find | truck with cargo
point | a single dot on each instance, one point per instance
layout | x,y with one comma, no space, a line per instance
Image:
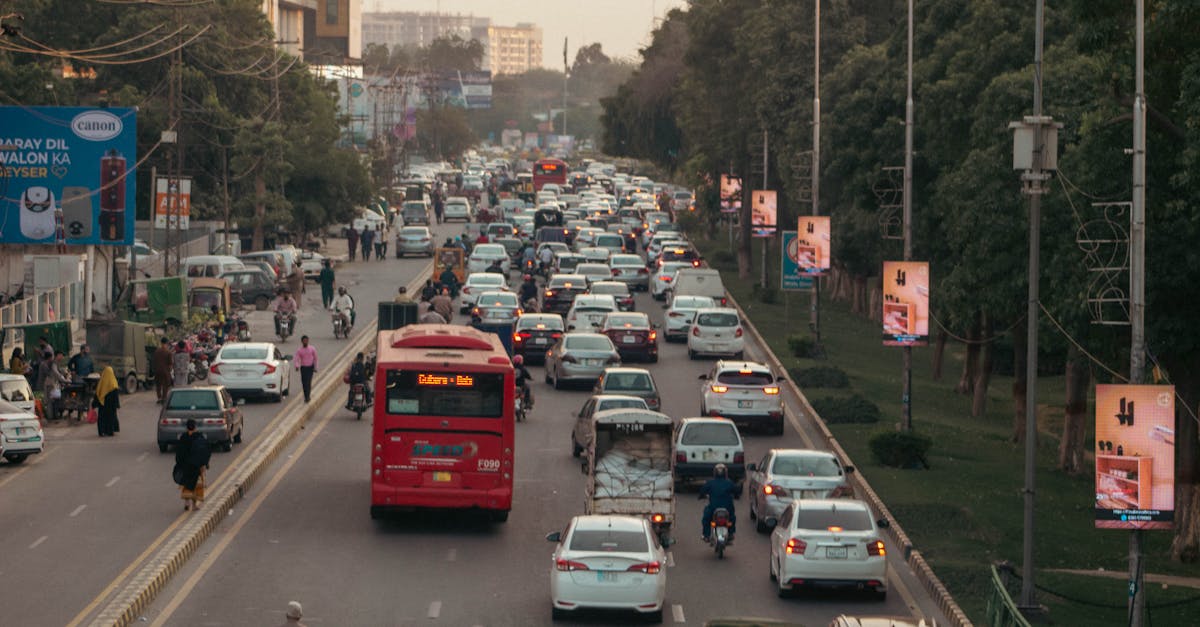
629,466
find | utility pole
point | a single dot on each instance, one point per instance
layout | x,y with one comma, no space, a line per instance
766,240
906,377
815,318
566,69
1137,286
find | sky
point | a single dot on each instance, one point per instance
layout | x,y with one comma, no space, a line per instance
621,26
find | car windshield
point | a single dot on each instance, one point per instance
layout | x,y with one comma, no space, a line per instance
414,206
692,302
588,343
16,390
553,323
738,377
576,282
717,320
417,231
500,299
485,279
613,288
627,381
193,399
805,466
626,260
609,240
243,352
628,320
488,250
622,403
847,519
710,433
609,541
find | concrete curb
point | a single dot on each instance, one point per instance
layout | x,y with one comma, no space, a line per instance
144,585
862,489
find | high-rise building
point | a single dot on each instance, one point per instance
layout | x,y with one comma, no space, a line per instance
409,28
513,49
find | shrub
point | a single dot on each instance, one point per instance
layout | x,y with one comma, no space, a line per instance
820,377
850,410
900,450
801,346
721,258
769,296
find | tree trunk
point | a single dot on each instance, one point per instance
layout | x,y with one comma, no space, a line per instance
1070,447
1019,391
983,374
1185,374
875,302
966,382
939,353
260,210
858,290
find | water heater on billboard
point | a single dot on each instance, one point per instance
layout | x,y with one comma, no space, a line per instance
112,197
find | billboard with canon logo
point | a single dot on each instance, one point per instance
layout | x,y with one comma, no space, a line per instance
67,175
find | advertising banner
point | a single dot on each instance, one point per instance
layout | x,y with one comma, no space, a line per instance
731,193
470,90
813,246
172,202
905,303
1135,456
792,275
763,211
68,175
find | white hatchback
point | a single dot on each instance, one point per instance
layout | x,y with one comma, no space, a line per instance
608,562
252,369
831,543
744,392
483,255
588,311
716,331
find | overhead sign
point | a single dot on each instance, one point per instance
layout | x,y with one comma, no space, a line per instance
763,211
67,175
813,245
731,193
792,275
905,303
172,202
1135,456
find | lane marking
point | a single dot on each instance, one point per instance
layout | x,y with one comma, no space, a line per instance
38,542
142,457
76,511
677,613
452,555
25,468
112,482
435,609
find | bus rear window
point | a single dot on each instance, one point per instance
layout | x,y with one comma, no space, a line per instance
467,395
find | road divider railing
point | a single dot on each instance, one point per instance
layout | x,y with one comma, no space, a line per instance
144,585
862,488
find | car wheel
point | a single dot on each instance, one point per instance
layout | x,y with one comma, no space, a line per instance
880,595
557,383
498,517
655,617
227,445
691,354
557,614
760,525
278,398
237,439
654,358
546,376
261,303
771,568
131,383
740,355
162,448
16,458
576,450
777,428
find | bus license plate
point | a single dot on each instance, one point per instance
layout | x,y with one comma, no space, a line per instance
606,576
441,477
835,552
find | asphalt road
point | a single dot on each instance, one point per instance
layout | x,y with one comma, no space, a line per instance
79,516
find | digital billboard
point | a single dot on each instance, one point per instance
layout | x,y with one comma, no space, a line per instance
763,212
68,175
1135,456
813,246
791,275
905,303
731,193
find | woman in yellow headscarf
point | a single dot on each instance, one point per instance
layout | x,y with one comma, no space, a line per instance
108,401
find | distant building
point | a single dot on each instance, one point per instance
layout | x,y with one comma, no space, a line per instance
513,49
506,49
322,32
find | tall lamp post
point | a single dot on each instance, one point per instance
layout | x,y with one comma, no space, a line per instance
815,317
906,383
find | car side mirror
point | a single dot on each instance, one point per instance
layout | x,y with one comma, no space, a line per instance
771,522
848,469
883,522
554,536
752,467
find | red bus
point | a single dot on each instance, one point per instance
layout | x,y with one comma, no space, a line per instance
443,436
549,171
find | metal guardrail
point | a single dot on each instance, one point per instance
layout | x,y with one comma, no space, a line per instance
1001,609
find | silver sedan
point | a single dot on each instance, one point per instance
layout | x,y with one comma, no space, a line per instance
579,357
414,240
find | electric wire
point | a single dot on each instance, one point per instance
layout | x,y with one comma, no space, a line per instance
146,33
78,55
988,340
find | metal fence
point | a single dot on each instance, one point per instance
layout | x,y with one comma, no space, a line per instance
1001,610
64,302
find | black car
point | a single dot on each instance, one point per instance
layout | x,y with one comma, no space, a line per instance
251,287
533,333
561,292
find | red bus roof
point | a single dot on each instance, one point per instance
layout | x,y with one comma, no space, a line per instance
441,342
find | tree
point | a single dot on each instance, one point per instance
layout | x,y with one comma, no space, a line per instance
453,53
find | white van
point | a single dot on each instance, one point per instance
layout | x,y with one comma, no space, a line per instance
700,282
209,266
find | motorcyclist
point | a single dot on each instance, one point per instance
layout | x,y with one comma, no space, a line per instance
546,256
448,280
529,290
521,375
528,256
720,492
343,305
497,267
359,373
284,306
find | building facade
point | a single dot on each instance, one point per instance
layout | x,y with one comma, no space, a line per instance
513,49
506,49
321,32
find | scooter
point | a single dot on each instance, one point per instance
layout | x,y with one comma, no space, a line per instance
359,399
720,531
339,326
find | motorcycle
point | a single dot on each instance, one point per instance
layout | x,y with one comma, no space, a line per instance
241,329
198,369
285,326
339,326
359,399
720,531
521,404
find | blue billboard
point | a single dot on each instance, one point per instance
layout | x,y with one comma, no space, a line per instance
792,275
67,175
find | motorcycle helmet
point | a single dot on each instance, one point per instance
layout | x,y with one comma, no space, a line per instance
518,360
720,470
527,277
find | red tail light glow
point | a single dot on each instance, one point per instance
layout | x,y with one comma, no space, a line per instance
681,458
657,518
776,491
696,331
650,568
875,547
215,369
739,458
794,546
267,368
738,333
568,565
653,335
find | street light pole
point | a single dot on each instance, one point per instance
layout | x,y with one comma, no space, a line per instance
906,383
815,318
1137,285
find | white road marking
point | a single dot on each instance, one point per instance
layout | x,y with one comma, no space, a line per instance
451,555
677,613
112,482
435,609
142,457
670,560
76,511
38,541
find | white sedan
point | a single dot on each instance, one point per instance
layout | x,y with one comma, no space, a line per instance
252,369
477,284
484,255
608,562
680,313
20,433
831,543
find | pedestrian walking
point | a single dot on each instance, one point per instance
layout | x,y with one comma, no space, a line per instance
381,242
179,364
294,613
326,280
107,402
352,242
364,239
295,281
192,454
439,208
161,363
306,362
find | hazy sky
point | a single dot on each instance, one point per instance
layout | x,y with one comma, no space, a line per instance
621,26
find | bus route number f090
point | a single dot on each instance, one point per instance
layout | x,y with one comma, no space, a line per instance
488,465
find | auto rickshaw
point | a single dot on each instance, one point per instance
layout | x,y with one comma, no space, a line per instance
154,301
451,257
124,345
206,292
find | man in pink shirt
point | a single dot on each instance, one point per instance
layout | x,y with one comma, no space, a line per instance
306,362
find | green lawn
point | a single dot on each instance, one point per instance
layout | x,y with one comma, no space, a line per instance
965,512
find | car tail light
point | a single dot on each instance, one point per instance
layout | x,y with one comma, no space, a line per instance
643,271
794,546
657,518
738,333
213,421
719,389
215,368
875,547
570,359
466,289
267,368
616,272
664,279
724,301
696,264
653,335
549,294
771,389
517,337
650,568
674,314
696,331
171,421
556,335
775,491
681,458
739,458
569,565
